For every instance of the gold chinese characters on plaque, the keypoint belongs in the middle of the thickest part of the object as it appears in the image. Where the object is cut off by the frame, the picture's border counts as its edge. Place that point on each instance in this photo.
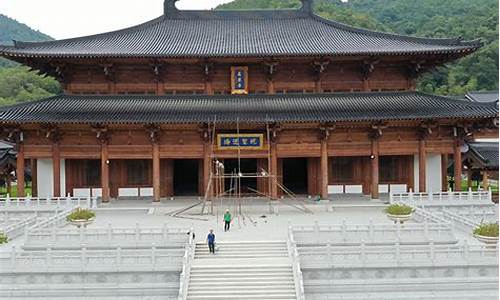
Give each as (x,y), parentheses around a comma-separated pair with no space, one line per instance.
(239,80)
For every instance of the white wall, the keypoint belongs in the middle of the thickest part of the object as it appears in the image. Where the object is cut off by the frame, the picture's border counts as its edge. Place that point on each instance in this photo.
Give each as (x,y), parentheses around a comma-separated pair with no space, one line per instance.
(433,176)
(45,177)
(433,172)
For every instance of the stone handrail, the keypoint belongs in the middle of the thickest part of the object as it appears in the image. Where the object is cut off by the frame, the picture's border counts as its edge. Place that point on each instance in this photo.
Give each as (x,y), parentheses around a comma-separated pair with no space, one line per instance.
(439,198)
(85,259)
(58,220)
(187,262)
(18,228)
(460,220)
(298,277)
(109,237)
(374,233)
(39,202)
(397,255)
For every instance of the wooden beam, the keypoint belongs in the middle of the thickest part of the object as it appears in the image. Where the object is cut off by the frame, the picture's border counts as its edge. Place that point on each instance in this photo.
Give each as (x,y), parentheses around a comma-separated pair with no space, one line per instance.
(324,169)
(20,170)
(105,172)
(486,184)
(457,157)
(422,170)
(444,172)
(34,177)
(207,164)
(375,168)
(156,173)
(274,171)
(56,168)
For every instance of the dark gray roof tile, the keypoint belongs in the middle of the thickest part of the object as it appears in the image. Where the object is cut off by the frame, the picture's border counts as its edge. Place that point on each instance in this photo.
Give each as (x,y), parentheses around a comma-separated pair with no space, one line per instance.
(251,108)
(239,33)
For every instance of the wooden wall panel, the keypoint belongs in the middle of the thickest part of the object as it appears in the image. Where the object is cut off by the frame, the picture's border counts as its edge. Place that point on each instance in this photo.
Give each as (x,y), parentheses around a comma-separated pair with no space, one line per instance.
(299,150)
(80,151)
(130,151)
(346,78)
(37,151)
(182,151)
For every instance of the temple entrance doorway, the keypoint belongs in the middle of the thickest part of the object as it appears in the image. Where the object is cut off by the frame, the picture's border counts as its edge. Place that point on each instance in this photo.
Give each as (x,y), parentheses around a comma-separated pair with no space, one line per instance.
(248,167)
(295,175)
(186,177)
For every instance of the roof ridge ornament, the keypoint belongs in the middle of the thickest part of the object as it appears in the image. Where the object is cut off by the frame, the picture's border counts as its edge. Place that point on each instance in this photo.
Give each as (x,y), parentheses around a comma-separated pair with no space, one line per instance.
(307,6)
(169,7)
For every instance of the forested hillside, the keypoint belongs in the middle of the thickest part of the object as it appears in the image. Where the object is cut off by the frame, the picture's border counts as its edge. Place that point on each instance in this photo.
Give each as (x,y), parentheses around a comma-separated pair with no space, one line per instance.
(17,84)
(426,18)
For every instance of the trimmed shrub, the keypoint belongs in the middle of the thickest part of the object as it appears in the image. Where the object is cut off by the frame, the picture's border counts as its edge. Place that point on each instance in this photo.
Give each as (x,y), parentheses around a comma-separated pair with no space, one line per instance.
(487,229)
(3,238)
(80,214)
(399,210)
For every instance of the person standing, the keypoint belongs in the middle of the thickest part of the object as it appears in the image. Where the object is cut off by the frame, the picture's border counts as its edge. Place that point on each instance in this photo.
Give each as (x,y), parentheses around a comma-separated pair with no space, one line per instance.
(211,241)
(227,220)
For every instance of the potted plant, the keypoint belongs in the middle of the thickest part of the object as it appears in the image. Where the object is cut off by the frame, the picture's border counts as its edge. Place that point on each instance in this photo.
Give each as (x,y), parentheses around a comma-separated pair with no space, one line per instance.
(487,233)
(81,217)
(399,212)
(3,238)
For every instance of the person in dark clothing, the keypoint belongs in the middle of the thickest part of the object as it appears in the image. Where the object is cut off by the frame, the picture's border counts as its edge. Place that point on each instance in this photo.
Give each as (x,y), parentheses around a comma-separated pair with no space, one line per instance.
(211,241)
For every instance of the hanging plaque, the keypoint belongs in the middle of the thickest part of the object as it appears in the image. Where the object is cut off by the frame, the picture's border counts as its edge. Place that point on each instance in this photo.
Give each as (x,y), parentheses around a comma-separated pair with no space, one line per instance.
(243,141)
(239,80)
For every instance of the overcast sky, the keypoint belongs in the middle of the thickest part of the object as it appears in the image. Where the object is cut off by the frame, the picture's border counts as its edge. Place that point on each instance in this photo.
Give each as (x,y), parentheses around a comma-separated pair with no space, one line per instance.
(70,18)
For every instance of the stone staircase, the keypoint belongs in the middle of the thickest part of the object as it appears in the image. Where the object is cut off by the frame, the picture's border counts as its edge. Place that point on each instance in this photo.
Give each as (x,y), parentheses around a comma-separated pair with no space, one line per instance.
(242,270)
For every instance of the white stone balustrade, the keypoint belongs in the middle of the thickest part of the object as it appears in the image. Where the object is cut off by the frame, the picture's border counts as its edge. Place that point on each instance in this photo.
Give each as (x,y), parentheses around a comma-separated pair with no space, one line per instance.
(442,198)
(86,259)
(187,262)
(374,234)
(107,237)
(298,277)
(47,202)
(396,254)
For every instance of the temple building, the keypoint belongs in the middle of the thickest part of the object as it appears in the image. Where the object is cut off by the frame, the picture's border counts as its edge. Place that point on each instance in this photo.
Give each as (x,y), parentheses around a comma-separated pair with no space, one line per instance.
(315,106)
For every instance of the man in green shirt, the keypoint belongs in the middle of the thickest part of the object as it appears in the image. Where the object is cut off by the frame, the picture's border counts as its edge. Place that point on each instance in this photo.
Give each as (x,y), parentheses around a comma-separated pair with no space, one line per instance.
(227,220)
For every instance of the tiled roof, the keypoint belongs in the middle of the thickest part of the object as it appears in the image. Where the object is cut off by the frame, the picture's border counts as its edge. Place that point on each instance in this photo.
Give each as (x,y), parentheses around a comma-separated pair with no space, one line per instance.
(249,109)
(488,96)
(239,33)
(485,152)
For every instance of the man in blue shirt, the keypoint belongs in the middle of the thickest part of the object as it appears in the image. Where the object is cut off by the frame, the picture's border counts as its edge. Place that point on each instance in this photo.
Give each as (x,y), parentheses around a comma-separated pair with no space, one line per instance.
(211,241)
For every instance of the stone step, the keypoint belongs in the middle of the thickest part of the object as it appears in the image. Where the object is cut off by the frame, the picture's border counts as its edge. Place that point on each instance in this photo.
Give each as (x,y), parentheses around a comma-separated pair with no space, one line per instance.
(242,280)
(229,276)
(263,293)
(235,256)
(239,287)
(283,296)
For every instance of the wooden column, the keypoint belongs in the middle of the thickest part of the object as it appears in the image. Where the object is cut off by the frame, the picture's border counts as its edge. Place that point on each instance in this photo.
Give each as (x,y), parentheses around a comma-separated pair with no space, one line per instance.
(375,169)
(444,172)
(486,184)
(207,164)
(422,170)
(457,174)
(156,172)
(20,170)
(274,170)
(324,169)
(56,168)
(105,172)
(34,178)
(469,178)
